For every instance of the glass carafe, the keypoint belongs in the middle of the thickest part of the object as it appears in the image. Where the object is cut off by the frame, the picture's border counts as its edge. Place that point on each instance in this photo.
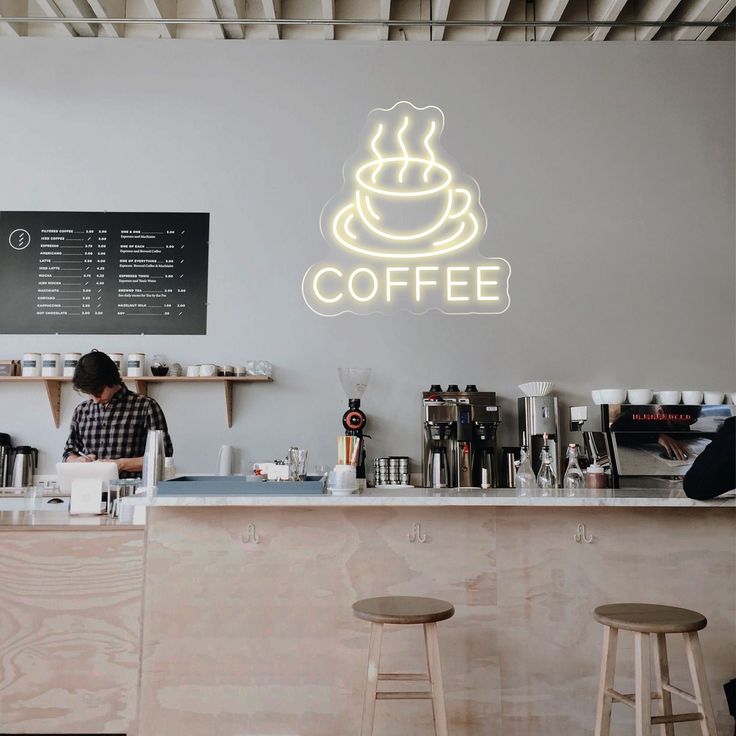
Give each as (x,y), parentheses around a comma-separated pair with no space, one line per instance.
(574,478)
(546,479)
(525,480)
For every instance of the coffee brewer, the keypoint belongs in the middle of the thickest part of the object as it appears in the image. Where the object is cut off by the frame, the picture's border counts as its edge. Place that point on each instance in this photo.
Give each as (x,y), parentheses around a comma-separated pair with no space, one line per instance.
(354,382)
(459,439)
(537,417)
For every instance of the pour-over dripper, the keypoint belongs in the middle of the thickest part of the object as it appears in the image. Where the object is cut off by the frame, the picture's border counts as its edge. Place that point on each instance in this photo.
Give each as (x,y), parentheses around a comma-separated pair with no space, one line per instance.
(354,381)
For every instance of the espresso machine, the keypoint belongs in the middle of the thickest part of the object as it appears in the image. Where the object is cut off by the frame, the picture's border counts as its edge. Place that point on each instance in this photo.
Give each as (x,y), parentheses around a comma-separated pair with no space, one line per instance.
(354,382)
(637,437)
(459,438)
(538,417)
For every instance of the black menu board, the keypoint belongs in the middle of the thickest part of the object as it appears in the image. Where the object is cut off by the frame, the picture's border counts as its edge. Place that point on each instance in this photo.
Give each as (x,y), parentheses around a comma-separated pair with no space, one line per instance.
(116,273)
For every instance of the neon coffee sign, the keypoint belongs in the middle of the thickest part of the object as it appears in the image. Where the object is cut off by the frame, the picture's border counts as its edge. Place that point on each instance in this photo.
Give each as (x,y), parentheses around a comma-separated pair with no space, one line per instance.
(405,228)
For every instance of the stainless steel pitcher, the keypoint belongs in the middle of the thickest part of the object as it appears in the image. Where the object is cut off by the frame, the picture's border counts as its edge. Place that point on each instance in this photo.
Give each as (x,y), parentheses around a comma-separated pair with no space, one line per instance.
(25,461)
(5,465)
(154,458)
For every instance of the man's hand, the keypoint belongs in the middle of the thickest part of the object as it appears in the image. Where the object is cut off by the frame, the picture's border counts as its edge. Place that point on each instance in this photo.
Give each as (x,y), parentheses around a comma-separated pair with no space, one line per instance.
(675,450)
(129,464)
(81,458)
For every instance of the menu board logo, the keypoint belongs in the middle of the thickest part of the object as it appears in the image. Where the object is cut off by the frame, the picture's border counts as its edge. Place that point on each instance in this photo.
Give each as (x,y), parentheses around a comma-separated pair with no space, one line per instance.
(405,228)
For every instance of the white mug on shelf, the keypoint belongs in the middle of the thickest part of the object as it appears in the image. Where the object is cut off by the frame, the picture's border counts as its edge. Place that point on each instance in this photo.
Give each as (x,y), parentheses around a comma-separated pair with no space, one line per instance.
(713,397)
(668,397)
(692,397)
(31,365)
(192,371)
(208,369)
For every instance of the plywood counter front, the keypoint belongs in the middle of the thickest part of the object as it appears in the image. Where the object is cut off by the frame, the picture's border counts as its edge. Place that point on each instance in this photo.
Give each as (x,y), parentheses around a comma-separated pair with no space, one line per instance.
(70,601)
(248,630)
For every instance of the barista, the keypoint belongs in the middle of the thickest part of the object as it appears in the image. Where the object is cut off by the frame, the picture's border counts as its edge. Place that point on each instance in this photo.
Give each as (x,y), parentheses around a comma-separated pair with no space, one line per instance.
(113,423)
(714,470)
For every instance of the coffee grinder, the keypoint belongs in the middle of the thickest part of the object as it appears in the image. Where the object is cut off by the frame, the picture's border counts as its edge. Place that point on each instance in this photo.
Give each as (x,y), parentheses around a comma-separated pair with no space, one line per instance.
(537,417)
(354,383)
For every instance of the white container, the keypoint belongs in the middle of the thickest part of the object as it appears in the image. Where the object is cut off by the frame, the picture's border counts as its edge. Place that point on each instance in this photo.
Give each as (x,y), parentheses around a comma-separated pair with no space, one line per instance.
(225,460)
(136,364)
(117,358)
(692,397)
(51,364)
(640,395)
(207,369)
(192,371)
(713,397)
(31,365)
(342,480)
(70,363)
(668,397)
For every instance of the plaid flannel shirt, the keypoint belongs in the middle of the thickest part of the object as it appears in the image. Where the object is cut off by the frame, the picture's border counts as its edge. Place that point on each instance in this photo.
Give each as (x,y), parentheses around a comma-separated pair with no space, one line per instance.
(117,429)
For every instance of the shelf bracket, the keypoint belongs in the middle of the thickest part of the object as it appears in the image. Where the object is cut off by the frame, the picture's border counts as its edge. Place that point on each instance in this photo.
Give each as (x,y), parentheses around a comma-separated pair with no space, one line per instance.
(229,402)
(141,387)
(53,391)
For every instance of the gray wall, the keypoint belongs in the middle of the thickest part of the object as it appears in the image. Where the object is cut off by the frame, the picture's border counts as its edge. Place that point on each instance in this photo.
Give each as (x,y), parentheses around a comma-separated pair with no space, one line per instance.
(606,172)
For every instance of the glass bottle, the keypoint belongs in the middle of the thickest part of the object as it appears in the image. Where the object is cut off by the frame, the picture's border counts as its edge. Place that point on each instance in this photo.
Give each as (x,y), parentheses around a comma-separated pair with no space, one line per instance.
(546,479)
(574,477)
(525,480)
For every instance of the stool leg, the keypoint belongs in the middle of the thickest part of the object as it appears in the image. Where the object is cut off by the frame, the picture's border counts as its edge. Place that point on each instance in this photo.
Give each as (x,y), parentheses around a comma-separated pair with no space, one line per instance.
(643,692)
(608,669)
(371,683)
(662,677)
(432,644)
(700,683)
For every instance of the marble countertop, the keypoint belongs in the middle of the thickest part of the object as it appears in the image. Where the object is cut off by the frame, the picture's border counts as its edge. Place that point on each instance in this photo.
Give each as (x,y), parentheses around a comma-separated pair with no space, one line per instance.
(51,521)
(647,498)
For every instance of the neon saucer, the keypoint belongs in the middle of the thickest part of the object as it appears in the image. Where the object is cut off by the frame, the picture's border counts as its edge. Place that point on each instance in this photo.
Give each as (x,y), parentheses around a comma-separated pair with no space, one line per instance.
(350,232)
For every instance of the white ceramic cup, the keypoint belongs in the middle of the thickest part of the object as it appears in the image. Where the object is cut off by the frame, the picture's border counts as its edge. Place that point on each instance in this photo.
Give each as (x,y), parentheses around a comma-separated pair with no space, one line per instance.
(713,397)
(31,365)
(692,397)
(613,395)
(596,394)
(117,358)
(207,369)
(136,364)
(668,397)
(192,371)
(640,395)
(70,363)
(51,364)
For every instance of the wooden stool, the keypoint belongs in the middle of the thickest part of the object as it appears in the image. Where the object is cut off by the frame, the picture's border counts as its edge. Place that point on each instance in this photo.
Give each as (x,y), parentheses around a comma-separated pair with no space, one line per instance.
(404,610)
(652,623)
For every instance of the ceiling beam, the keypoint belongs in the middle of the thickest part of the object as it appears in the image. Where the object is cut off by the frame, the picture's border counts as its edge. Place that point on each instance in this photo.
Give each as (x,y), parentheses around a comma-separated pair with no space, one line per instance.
(110,9)
(440,11)
(232,9)
(272,11)
(653,10)
(710,10)
(328,13)
(209,8)
(384,13)
(14,9)
(495,10)
(163,9)
(549,10)
(49,7)
(607,11)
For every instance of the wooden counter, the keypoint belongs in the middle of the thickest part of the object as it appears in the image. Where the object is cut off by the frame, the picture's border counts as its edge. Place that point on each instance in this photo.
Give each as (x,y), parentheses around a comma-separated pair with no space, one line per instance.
(243,638)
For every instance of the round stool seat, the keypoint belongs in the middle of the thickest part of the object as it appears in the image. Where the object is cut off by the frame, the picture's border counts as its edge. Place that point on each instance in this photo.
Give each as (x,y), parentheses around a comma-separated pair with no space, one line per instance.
(403,609)
(649,618)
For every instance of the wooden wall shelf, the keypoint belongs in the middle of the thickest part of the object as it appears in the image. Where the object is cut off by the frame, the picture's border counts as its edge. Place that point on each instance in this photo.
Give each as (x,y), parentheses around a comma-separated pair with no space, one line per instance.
(52,385)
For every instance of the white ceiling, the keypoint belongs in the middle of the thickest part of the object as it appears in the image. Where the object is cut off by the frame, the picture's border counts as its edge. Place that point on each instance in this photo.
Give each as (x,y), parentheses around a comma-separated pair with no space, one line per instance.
(408,19)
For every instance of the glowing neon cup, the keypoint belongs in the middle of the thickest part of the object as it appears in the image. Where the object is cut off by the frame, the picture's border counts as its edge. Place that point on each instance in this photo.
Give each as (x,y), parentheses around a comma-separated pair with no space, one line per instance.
(408,199)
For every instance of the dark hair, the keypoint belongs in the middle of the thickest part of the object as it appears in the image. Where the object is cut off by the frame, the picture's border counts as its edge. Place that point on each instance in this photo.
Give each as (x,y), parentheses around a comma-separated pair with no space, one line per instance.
(94,372)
